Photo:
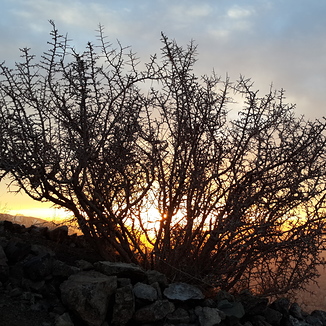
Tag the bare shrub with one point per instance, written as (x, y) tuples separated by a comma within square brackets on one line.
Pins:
[(240, 200)]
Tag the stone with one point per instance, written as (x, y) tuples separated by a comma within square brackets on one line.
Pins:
[(123, 281), (39, 250), (320, 315), (208, 316), (183, 292), (4, 268), (223, 295), (274, 317), (253, 305), (63, 320), (84, 265), (179, 316), (38, 267), (157, 287), (16, 292), (58, 234), (63, 270), (35, 286), (87, 294), (312, 320), (13, 227), (3, 256), (282, 305), (295, 322), (131, 271), (296, 311), (145, 292), (259, 320), (38, 231), (124, 306), (41, 305), (154, 312), (16, 250), (16, 274), (231, 308), (155, 276)]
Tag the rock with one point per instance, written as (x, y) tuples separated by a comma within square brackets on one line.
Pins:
[(183, 292), (38, 231), (87, 294), (253, 305), (4, 268), (41, 305), (38, 250), (38, 267), (282, 305), (312, 320), (208, 316), (123, 281), (231, 308), (119, 294), (16, 274), (157, 287), (223, 295), (320, 315), (14, 227), (84, 265), (3, 257), (63, 270), (259, 320), (124, 306), (131, 271), (296, 311), (274, 317), (154, 312), (35, 286), (145, 292), (16, 250), (155, 276), (295, 322), (179, 316), (63, 320), (58, 234), (16, 292)]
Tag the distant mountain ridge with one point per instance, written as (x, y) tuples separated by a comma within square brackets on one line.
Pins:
[(28, 220)]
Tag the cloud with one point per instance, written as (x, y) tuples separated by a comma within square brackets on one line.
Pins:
[(198, 11), (279, 41), (237, 12), (75, 13), (233, 21)]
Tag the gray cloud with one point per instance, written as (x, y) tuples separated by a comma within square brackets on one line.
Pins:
[(271, 41)]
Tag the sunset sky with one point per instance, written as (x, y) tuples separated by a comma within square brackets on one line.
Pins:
[(278, 41)]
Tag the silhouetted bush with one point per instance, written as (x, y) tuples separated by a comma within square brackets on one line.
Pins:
[(236, 179)]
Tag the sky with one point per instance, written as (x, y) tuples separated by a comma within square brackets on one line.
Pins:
[(279, 42)]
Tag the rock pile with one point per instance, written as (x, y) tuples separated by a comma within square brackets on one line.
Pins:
[(106, 293)]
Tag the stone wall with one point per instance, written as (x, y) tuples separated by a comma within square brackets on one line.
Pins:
[(102, 293)]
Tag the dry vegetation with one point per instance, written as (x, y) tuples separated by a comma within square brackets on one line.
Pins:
[(241, 200)]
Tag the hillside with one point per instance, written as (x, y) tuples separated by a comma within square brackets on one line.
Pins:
[(28, 221)]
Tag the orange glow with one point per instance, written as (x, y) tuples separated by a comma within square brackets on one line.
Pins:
[(49, 214), (20, 204)]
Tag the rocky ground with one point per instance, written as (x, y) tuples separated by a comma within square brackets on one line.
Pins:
[(20, 308), (50, 278)]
